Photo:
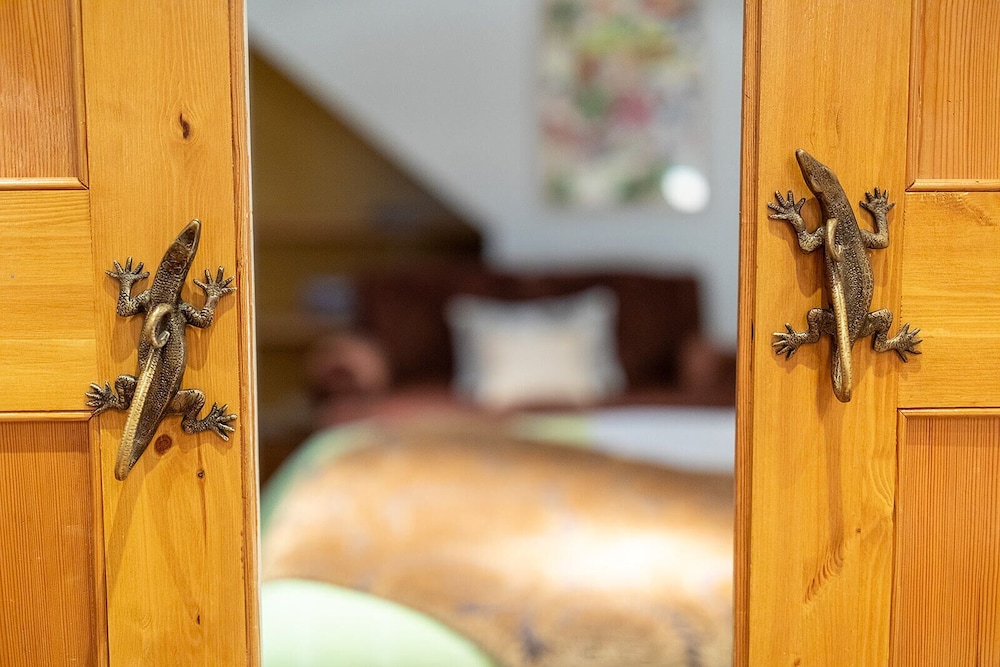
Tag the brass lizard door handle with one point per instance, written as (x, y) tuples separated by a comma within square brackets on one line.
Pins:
[(848, 273), (155, 391)]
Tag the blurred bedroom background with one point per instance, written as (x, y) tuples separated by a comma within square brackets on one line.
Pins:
[(386, 130), (481, 225)]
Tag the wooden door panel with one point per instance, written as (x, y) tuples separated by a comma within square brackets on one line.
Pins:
[(950, 278), (119, 123), (815, 476), (180, 531), (955, 96), (48, 589), (817, 479), (48, 349), (41, 96), (946, 609)]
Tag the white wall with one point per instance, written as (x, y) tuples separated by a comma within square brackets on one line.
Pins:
[(446, 87)]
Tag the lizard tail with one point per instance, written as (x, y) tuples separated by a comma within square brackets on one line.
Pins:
[(843, 377), (129, 450), (841, 364)]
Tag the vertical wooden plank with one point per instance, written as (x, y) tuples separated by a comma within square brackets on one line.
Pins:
[(745, 335), (947, 593), (48, 610), (97, 541), (955, 98), (41, 96), (817, 486), (243, 217), (180, 531)]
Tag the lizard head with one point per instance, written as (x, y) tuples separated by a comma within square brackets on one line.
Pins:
[(176, 261), (823, 182)]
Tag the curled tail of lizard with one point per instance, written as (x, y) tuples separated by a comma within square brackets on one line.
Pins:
[(842, 369)]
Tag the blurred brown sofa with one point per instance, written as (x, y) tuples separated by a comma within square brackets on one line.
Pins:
[(399, 359)]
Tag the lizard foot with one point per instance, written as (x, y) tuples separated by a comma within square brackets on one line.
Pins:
[(788, 341), (878, 203), (128, 275), (217, 420), (216, 287), (103, 398), (787, 209), (905, 342)]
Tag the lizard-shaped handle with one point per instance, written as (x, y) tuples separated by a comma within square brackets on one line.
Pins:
[(849, 277), (154, 392)]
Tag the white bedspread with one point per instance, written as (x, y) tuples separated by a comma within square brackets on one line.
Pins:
[(691, 438)]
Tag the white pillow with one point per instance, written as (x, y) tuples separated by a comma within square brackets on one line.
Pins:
[(546, 351)]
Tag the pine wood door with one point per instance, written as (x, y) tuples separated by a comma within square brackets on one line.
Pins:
[(869, 532), (119, 123)]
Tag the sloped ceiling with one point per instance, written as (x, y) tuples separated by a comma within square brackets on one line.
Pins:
[(316, 179), (369, 61)]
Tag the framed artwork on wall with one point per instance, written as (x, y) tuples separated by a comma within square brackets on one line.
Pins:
[(622, 111)]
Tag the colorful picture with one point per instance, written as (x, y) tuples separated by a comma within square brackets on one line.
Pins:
[(621, 100)]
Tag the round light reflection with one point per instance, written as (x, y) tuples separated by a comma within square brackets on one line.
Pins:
[(685, 188)]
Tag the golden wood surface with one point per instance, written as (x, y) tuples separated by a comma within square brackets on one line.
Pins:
[(945, 610), (745, 358), (955, 99), (28, 416), (48, 346), (168, 144), (41, 101), (47, 279), (97, 541), (816, 477), (54, 183), (173, 576), (955, 185), (816, 480), (247, 360), (951, 291), (49, 608)]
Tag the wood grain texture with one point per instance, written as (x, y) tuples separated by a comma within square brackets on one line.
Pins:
[(950, 279), (243, 219), (946, 609), (48, 605), (53, 183), (745, 336), (955, 99), (39, 373), (41, 100), (820, 474), (97, 539), (48, 349), (28, 416), (46, 266), (180, 531), (955, 185)]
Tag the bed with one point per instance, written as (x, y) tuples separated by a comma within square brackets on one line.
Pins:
[(599, 537), (510, 470)]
